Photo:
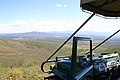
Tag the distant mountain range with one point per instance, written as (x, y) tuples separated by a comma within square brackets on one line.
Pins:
[(63, 34)]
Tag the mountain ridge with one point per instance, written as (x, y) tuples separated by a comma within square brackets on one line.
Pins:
[(35, 34)]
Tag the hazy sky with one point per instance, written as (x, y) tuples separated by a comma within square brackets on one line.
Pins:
[(49, 15)]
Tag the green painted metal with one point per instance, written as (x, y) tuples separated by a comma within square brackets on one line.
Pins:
[(74, 55)]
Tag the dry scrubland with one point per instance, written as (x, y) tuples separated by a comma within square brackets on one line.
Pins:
[(20, 58)]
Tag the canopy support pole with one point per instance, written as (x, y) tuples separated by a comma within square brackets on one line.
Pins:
[(104, 41), (65, 42)]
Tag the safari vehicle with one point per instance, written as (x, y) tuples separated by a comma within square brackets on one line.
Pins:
[(104, 66)]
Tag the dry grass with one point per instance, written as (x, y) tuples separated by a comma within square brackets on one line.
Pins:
[(20, 59)]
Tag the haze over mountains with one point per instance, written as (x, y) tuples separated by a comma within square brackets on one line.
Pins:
[(63, 34)]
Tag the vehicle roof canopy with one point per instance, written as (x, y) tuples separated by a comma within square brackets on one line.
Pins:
[(107, 8)]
